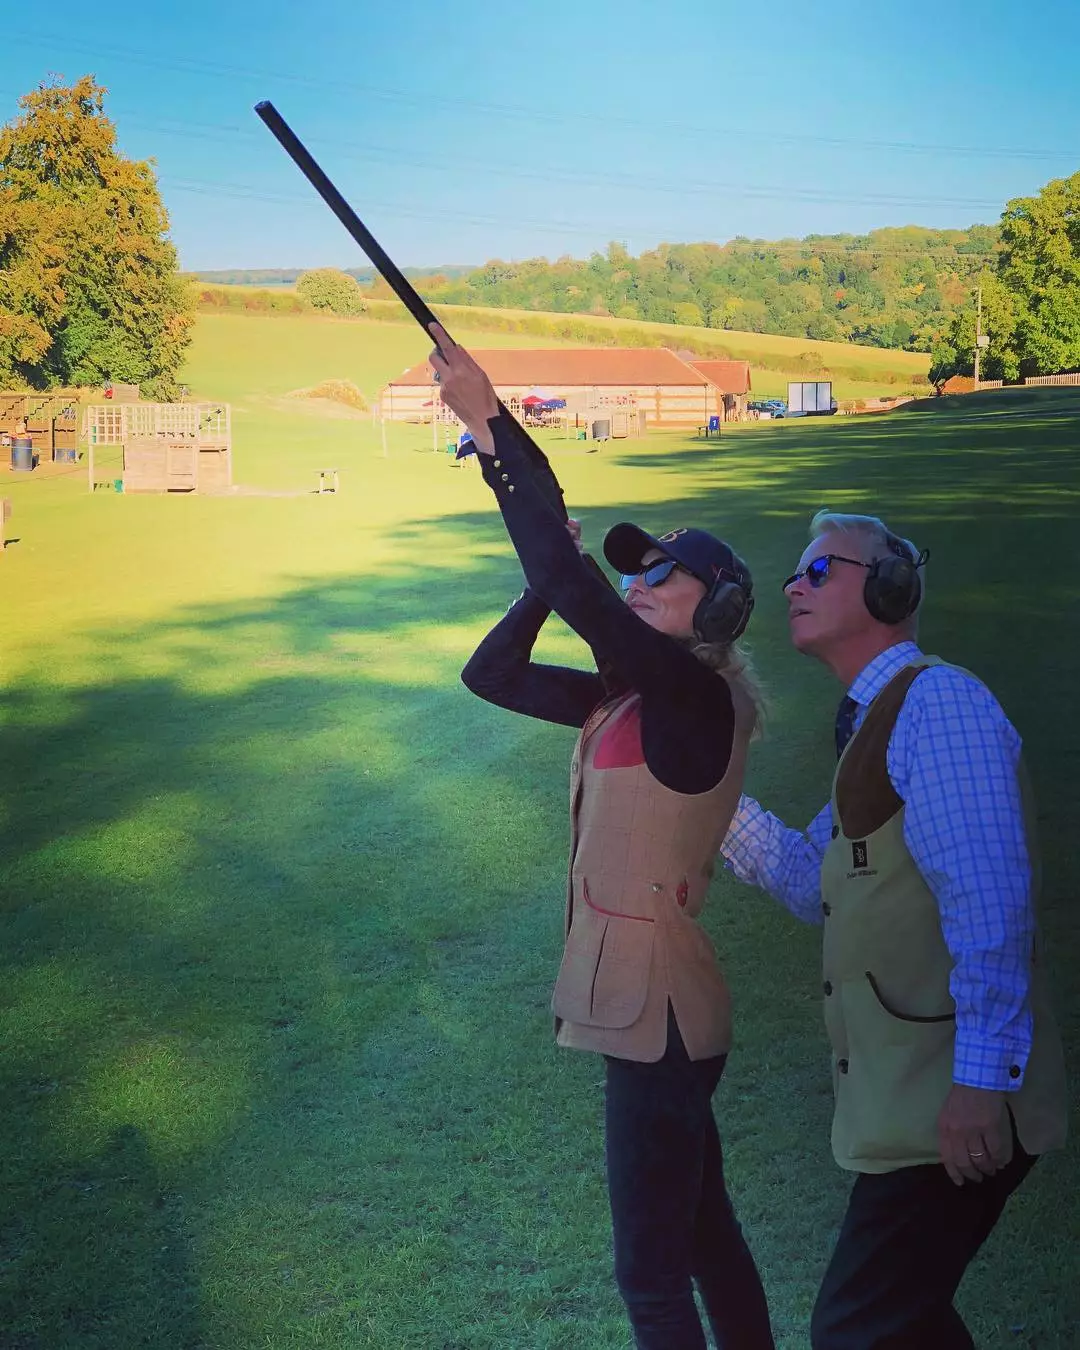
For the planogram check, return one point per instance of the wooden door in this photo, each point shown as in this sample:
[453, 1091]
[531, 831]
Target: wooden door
[180, 467]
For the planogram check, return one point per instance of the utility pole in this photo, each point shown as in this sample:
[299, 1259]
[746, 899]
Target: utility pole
[978, 332]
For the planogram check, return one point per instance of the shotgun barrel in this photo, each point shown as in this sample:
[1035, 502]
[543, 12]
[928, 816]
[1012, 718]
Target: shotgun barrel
[392, 274]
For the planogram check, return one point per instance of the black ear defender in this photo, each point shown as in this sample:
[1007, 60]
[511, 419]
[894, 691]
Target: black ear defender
[724, 610]
[893, 586]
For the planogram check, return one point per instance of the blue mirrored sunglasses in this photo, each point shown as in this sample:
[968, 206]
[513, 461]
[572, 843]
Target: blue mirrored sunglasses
[653, 575]
[817, 572]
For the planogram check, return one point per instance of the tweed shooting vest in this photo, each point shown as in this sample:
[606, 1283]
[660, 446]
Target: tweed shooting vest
[641, 859]
[889, 1013]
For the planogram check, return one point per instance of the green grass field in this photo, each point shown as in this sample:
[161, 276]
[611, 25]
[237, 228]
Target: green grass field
[282, 902]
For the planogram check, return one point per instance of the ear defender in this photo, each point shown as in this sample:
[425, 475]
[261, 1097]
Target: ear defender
[724, 611]
[893, 587]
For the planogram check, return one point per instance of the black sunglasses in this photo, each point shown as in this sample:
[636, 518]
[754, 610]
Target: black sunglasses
[653, 574]
[817, 572]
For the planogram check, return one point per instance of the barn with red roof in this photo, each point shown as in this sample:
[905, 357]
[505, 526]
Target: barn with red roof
[651, 385]
[732, 379]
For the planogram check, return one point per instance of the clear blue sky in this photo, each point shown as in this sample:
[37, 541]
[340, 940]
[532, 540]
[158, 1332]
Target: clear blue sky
[475, 129]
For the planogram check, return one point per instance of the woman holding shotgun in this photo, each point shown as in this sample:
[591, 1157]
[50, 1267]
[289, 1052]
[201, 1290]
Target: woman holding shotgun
[655, 779]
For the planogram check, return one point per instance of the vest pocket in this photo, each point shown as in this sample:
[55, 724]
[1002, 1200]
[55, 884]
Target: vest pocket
[891, 1075]
[900, 1016]
[604, 976]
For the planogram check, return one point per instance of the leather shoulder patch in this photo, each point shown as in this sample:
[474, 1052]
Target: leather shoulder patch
[865, 797]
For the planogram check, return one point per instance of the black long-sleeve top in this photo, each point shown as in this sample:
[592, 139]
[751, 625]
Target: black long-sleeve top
[687, 715]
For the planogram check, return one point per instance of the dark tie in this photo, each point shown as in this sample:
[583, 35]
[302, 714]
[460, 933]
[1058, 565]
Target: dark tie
[845, 723]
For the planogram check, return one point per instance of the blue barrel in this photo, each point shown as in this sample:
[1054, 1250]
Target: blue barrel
[22, 453]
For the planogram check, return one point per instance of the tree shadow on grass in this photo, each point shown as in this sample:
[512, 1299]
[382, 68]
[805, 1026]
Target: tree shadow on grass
[111, 1268]
[286, 931]
[246, 922]
[938, 468]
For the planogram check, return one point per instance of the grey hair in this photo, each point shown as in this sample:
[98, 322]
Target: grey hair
[879, 539]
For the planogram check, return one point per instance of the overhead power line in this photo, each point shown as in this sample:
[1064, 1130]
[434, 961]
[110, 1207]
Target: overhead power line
[428, 100]
[455, 165]
[244, 192]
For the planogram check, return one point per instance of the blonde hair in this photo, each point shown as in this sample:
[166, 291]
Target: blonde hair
[733, 661]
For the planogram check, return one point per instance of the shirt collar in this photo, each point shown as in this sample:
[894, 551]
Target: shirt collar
[876, 674]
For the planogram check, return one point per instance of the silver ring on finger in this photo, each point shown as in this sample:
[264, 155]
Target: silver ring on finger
[980, 1154]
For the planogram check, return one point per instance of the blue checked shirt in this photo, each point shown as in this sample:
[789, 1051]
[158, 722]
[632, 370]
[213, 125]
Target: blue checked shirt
[953, 759]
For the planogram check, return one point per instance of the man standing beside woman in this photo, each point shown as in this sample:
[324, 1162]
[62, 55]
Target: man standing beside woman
[947, 1066]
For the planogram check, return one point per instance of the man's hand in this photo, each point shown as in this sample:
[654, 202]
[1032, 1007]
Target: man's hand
[465, 389]
[974, 1133]
[574, 526]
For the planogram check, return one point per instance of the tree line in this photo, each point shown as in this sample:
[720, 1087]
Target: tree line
[896, 288]
[289, 276]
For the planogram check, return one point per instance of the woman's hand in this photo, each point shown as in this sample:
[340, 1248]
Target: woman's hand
[574, 526]
[465, 389]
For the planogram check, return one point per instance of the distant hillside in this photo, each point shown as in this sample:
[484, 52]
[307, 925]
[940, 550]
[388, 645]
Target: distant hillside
[896, 288]
[858, 371]
[889, 288]
[288, 276]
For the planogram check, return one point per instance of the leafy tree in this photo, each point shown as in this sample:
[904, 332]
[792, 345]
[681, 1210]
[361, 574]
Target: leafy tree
[954, 352]
[89, 288]
[950, 356]
[823, 327]
[1040, 266]
[31, 291]
[1001, 308]
[329, 288]
[687, 313]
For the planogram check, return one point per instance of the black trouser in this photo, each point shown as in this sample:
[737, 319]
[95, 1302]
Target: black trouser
[673, 1222]
[907, 1238]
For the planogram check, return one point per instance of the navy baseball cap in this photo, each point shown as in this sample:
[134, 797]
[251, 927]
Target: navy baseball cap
[700, 553]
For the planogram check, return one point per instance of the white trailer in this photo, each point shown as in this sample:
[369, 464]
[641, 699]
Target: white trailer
[807, 397]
